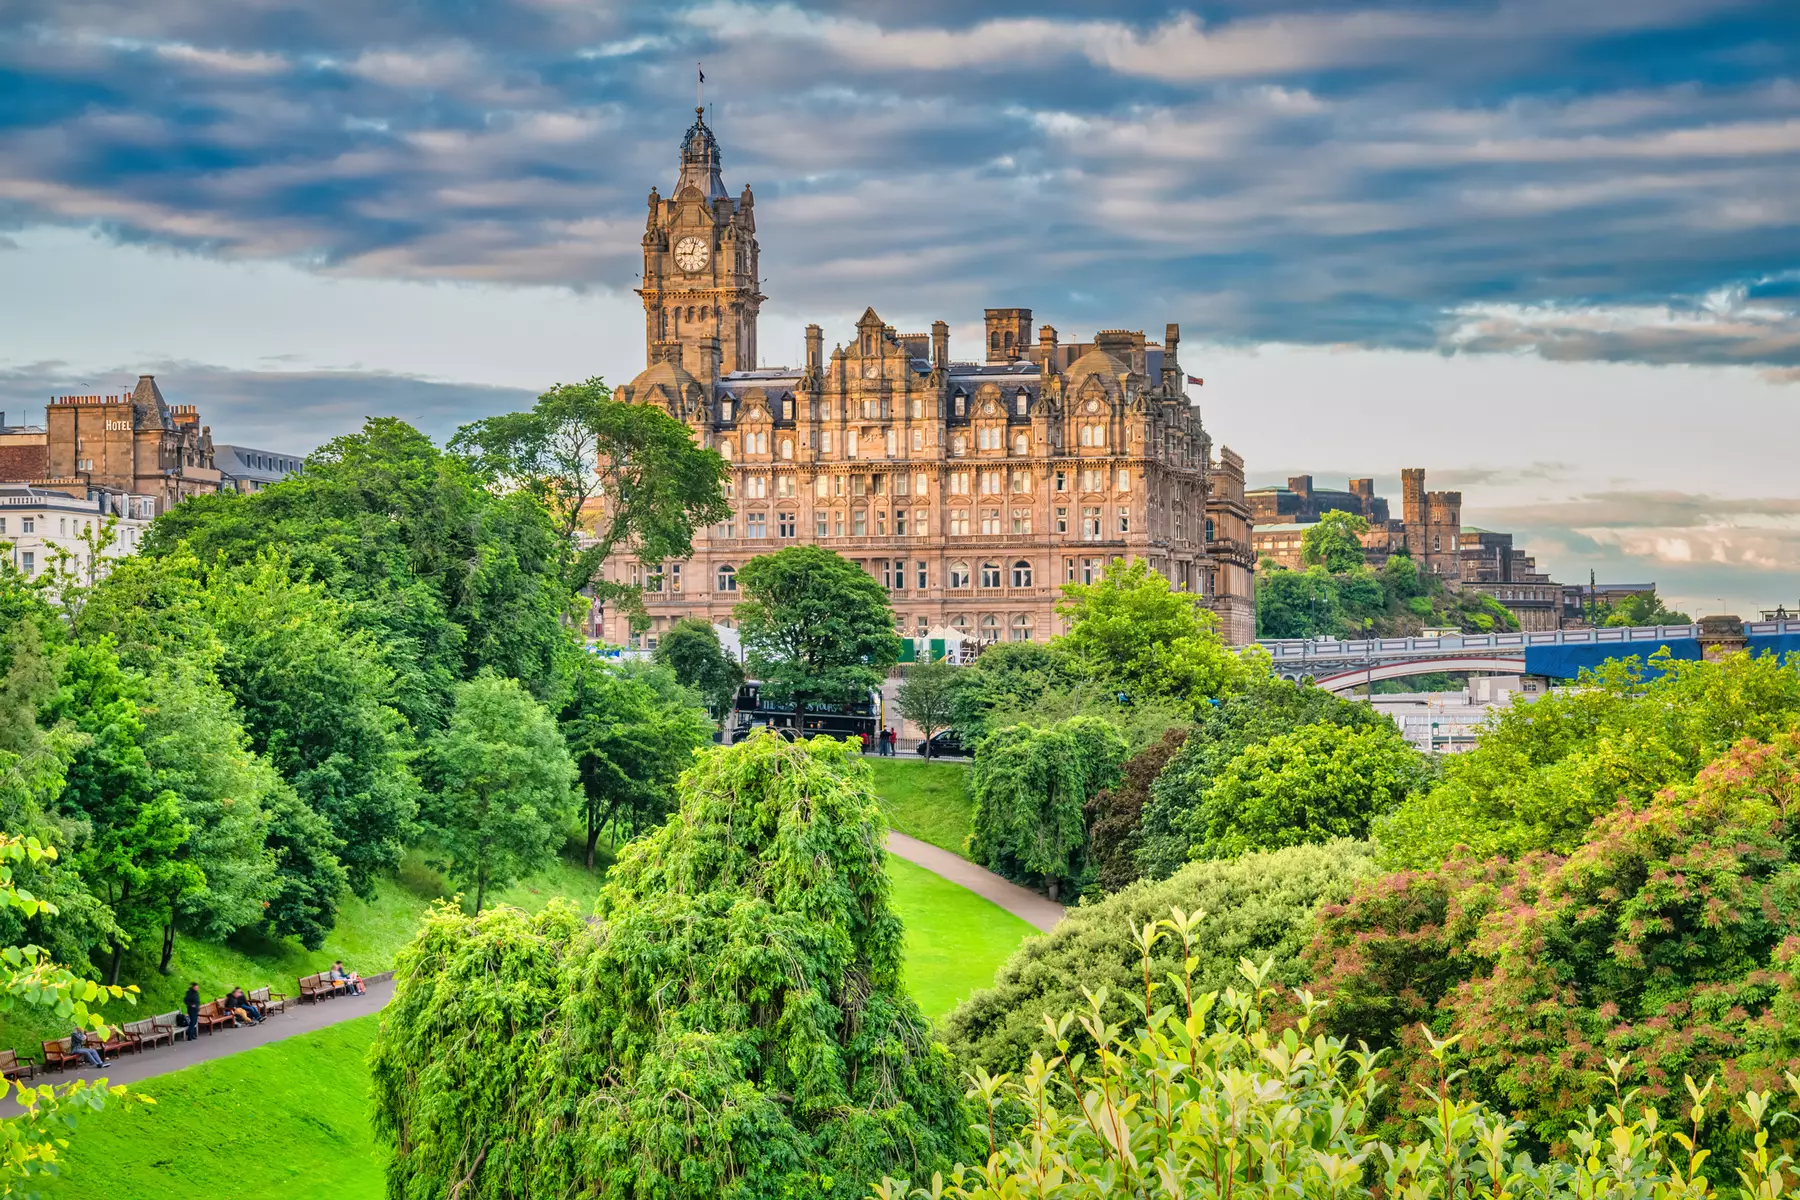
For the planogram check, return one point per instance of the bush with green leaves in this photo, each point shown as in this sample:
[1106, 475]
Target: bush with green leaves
[1260, 906]
[1174, 819]
[1031, 785]
[1543, 769]
[731, 1022]
[1204, 1100]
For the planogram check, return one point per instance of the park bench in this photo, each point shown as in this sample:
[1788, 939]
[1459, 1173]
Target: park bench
[150, 1031]
[213, 1015]
[116, 1041]
[15, 1066]
[267, 1001]
[314, 988]
[59, 1056]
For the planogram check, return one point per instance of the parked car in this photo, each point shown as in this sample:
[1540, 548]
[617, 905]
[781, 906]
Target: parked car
[945, 744]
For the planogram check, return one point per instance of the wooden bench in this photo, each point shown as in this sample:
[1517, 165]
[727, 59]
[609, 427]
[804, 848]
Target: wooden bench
[314, 988]
[268, 1002]
[115, 1041]
[213, 1015]
[16, 1066]
[150, 1031]
[59, 1056]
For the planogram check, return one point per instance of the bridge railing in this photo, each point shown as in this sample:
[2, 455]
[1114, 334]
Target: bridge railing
[1331, 650]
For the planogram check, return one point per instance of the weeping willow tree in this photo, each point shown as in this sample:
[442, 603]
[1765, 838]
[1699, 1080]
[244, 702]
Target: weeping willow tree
[730, 1023]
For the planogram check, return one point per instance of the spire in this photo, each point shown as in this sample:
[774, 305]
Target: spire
[700, 160]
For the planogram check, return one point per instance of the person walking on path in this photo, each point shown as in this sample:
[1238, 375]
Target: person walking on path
[191, 1002]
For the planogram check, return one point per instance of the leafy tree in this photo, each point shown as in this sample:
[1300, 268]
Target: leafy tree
[312, 692]
[816, 627]
[500, 797]
[1134, 633]
[1644, 608]
[309, 878]
[32, 1143]
[1114, 813]
[1334, 542]
[690, 648]
[620, 474]
[1313, 784]
[631, 735]
[1259, 907]
[926, 696]
[1173, 822]
[1004, 680]
[1030, 787]
[1669, 938]
[1297, 604]
[1544, 769]
[733, 1022]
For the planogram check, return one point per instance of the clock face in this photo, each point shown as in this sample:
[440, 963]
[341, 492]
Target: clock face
[691, 253]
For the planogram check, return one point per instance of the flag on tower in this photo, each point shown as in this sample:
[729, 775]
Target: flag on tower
[702, 73]
[1196, 381]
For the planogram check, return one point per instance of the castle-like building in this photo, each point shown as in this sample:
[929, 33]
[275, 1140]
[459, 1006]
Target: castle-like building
[972, 489]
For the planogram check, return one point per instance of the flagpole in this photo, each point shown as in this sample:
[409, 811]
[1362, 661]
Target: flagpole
[699, 86]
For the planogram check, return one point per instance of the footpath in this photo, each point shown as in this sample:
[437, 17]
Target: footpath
[1023, 903]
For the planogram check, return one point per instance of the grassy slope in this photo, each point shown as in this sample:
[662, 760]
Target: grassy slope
[280, 1121]
[926, 800]
[955, 940]
[367, 935]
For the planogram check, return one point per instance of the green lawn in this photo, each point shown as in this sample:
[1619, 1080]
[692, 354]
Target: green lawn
[926, 800]
[367, 935]
[955, 940]
[283, 1121]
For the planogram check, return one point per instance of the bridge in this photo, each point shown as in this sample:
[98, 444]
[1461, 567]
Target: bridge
[1338, 666]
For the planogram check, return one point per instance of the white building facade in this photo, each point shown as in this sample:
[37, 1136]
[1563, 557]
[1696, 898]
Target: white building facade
[37, 525]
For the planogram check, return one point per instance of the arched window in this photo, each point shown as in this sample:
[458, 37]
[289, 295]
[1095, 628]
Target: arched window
[787, 448]
[725, 449]
[990, 628]
[1022, 444]
[1093, 435]
[1009, 340]
[1021, 627]
[990, 574]
[727, 578]
[959, 445]
[1209, 529]
[994, 340]
[959, 574]
[959, 623]
[1021, 574]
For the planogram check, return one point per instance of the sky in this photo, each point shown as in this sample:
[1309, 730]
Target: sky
[1547, 249]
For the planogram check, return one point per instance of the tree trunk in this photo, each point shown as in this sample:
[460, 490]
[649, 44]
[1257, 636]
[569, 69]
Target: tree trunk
[593, 836]
[480, 890]
[118, 961]
[168, 944]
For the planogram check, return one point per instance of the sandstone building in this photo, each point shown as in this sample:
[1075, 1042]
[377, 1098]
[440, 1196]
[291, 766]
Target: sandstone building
[972, 488]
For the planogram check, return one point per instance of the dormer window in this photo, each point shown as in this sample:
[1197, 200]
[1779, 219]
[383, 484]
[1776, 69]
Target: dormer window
[1022, 402]
[726, 409]
[959, 404]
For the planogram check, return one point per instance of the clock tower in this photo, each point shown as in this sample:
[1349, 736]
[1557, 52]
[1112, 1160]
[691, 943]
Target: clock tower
[700, 268]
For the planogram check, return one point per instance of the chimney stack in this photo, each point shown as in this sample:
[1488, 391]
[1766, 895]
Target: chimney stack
[1047, 348]
[815, 348]
[940, 344]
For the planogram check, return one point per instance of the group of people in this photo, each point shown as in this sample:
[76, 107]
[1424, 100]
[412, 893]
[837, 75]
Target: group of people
[883, 740]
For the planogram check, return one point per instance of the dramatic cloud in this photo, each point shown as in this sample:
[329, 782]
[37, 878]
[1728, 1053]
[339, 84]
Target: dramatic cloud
[1573, 178]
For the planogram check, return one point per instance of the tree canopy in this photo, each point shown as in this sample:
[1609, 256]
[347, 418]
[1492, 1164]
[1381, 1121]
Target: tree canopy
[1031, 785]
[732, 1023]
[690, 648]
[816, 627]
[1334, 542]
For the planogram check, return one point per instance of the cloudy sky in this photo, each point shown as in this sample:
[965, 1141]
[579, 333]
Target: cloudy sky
[1547, 249]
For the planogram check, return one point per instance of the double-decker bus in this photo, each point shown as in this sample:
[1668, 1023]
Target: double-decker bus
[861, 718]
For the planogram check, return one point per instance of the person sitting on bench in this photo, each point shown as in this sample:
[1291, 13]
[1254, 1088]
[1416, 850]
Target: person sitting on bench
[80, 1049]
[349, 982]
[240, 1008]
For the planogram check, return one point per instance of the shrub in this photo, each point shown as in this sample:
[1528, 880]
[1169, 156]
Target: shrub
[731, 1022]
[1113, 815]
[1260, 906]
[1668, 936]
[1030, 787]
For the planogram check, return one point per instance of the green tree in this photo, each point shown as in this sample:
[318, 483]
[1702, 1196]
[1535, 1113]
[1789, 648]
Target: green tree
[1643, 608]
[926, 694]
[1173, 818]
[500, 799]
[816, 627]
[1297, 604]
[1260, 906]
[1313, 784]
[1005, 679]
[620, 474]
[1136, 634]
[631, 734]
[732, 1021]
[1114, 814]
[690, 648]
[1031, 786]
[1334, 542]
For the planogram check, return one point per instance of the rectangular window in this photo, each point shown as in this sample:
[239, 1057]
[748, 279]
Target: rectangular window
[959, 484]
[900, 522]
[675, 578]
[825, 441]
[918, 439]
[838, 486]
[821, 487]
[990, 520]
[893, 442]
[29, 561]
[917, 408]
[1062, 518]
[850, 441]
[921, 485]
[900, 574]
[1090, 570]
[837, 523]
[1124, 520]
[902, 484]
[1068, 570]
[1090, 523]
[1021, 520]
[990, 483]
[859, 523]
[756, 487]
[726, 528]
[784, 486]
[787, 410]
[878, 485]
[756, 525]
[924, 626]
[887, 574]
[959, 521]
[28, 524]
[881, 523]
[1093, 480]
[1124, 479]
[786, 524]
[654, 579]
[920, 564]
[859, 485]
[821, 525]
[1062, 481]
[921, 523]
[2, 524]
[1021, 481]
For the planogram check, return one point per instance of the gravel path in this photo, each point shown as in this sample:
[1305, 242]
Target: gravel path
[1022, 903]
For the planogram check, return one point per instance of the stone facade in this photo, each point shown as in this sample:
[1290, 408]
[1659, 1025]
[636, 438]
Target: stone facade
[972, 489]
[137, 444]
